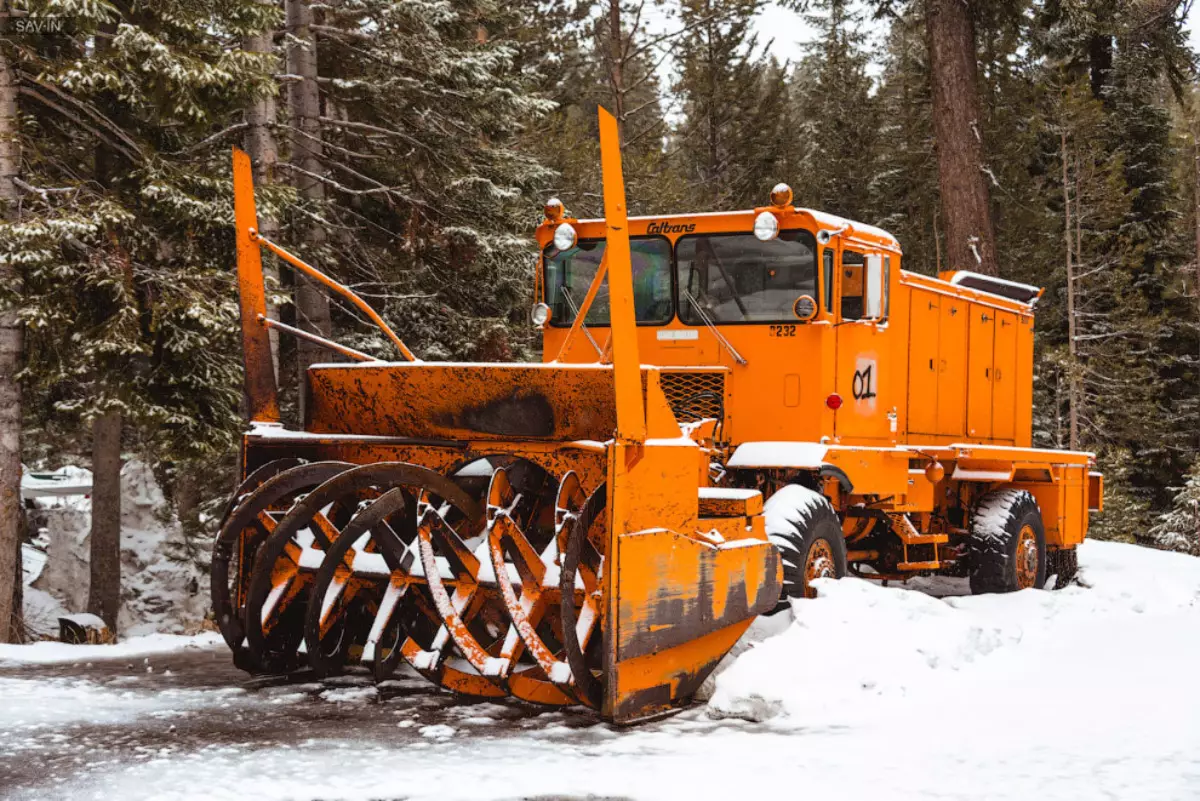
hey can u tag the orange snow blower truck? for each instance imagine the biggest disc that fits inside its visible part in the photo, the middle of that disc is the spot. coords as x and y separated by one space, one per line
730 406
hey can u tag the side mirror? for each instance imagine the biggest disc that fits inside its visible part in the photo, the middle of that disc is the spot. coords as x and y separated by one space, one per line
873 299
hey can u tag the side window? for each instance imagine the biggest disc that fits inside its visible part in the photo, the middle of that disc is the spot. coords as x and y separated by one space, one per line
854 286
865 285
828 278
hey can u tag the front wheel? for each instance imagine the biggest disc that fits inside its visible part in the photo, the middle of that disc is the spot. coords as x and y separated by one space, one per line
804 527
1007 545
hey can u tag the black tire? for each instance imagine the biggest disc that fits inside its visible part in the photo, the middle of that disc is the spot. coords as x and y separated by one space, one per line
802 525
1006 535
1063 564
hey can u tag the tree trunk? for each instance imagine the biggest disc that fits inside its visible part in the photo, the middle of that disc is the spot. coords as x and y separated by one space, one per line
1100 63
1196 206
10 361
187 499
957 129
616 70
304 106
1072 344
264 155
104 589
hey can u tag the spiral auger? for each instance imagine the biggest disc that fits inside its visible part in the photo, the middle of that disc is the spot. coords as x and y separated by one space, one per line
260 503
473 600
290 557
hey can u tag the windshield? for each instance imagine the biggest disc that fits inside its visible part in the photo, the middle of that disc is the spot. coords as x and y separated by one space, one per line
737 278
569 273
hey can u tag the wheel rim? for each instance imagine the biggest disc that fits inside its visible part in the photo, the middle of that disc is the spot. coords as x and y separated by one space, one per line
819 564
1027 558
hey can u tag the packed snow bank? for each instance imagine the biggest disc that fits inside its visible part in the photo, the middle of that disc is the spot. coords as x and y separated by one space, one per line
860 651
161 583
57 653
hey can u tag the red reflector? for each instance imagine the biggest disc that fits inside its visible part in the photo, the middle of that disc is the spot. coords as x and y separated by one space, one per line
834 401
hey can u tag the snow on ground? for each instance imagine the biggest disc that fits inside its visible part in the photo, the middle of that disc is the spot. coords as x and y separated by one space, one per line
872 693
58 653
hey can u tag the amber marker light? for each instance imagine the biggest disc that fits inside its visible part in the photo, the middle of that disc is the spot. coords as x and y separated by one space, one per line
781 196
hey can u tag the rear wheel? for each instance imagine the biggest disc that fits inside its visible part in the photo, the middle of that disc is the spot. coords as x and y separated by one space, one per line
1063 564
1007 544
804 527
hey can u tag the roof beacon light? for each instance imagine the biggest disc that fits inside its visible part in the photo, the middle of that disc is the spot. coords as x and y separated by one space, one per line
781 196
554 210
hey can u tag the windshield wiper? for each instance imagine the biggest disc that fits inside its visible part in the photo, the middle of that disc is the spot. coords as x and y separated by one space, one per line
566 293
737 357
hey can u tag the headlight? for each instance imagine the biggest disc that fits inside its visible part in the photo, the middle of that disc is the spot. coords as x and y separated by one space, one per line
766 227
565 237
540 315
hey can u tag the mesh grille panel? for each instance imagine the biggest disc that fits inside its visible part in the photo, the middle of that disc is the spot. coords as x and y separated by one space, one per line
695 396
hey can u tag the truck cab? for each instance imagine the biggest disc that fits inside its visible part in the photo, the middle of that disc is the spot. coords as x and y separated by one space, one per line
789 324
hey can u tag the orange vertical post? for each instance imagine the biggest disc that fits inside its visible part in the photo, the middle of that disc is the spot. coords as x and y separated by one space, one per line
627 367
261 391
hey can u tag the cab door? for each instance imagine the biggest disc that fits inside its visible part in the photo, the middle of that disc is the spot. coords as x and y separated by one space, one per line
865 374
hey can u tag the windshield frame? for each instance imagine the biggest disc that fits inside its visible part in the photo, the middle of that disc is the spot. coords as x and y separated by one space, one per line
556 322
786 318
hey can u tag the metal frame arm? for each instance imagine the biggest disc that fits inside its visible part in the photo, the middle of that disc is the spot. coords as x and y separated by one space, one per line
262 391
582 311
341 289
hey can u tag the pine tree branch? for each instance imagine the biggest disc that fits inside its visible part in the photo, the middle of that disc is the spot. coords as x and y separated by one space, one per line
134 156
203 143
654 42
88 109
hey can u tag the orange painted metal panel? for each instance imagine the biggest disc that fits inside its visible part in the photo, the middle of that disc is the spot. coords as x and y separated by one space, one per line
1004 378
261 391
980 348
924 318
464 401
952 367
631 415
1023 426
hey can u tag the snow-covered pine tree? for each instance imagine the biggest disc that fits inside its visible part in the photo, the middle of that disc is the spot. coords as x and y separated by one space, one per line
1179 528
129 303
838 116
903 197
426 203
719 81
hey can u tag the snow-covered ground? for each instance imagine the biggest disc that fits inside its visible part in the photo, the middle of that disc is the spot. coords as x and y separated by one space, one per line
1090 692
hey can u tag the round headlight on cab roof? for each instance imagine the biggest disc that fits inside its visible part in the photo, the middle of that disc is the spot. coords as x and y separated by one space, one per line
766 227
540 314
565 236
